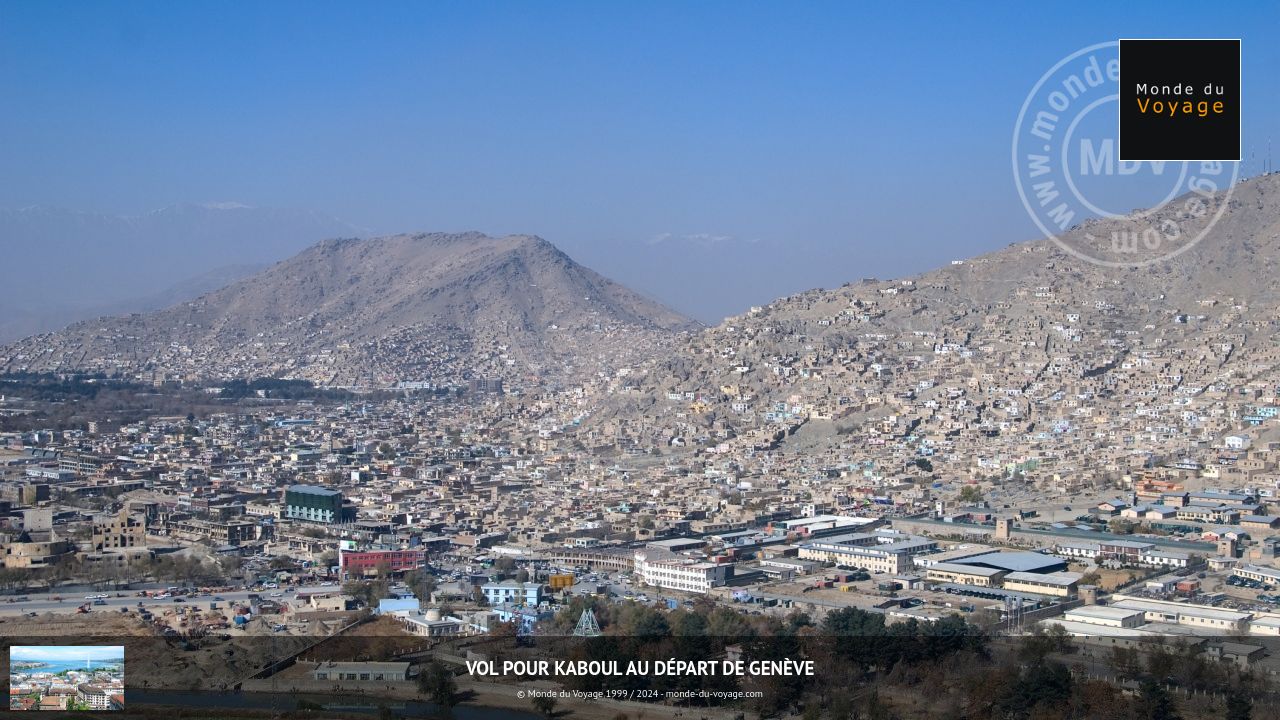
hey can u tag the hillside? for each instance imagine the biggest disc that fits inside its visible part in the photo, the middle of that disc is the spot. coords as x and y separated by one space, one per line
1023 353
402 308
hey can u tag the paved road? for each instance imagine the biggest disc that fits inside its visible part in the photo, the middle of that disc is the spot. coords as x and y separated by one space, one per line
45 602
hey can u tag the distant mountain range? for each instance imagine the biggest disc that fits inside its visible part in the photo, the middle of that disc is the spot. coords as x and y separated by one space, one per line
60 266
432 307
442 307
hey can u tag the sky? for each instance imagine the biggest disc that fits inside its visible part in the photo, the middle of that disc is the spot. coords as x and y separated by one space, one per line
66 653
714 155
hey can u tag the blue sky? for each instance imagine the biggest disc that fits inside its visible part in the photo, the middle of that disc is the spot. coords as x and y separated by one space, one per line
65 653
713 154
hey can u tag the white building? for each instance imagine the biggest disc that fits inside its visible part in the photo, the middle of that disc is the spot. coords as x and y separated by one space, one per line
1106 616
664 570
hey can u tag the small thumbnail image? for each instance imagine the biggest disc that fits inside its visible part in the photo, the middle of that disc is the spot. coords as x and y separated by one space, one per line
66 677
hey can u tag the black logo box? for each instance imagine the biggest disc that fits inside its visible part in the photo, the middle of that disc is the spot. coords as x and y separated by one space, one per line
1186 67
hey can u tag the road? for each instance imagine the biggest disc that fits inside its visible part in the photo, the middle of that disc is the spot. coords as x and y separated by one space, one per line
45 602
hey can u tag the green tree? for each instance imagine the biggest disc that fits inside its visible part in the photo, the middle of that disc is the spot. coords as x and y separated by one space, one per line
1154 702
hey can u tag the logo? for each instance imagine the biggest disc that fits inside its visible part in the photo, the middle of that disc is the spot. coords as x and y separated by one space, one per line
1082 196
1180 100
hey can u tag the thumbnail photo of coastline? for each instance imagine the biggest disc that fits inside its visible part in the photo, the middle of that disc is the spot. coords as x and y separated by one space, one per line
66 677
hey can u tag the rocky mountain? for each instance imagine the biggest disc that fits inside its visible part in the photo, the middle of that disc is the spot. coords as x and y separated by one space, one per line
1023 352
61 265
403 308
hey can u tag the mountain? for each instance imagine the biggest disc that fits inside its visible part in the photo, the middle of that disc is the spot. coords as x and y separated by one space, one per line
435 307
1026 352
62 265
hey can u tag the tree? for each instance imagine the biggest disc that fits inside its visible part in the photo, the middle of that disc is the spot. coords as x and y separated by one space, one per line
1127 662
1239 706
366 591
970 494
545 705
437 683
422 584
1154 702
1120 526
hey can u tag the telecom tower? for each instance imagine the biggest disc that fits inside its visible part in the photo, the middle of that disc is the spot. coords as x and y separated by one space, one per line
587 625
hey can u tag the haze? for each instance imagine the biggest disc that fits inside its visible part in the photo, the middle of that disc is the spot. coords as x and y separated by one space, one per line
712 155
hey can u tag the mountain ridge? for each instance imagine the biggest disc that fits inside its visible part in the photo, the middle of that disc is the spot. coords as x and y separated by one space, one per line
449 304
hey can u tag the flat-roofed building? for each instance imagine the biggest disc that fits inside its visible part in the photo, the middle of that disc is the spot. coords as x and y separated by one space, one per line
1057 584
311 503
1164 558
1106 615
1077 549
956 573
1270 576
1269 625
1192 616
362 671
873 559
1260 522
660 569
1126 551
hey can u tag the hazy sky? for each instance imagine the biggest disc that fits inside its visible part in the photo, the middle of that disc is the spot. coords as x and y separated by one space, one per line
712 154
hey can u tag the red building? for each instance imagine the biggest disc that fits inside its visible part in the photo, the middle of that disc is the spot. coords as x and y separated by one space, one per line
356 563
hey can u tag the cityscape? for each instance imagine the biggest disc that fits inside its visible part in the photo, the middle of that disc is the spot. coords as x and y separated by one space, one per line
685 362
66 677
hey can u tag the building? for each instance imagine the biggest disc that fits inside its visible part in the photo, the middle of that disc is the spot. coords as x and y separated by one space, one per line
513 592
1106 616
233 532
1269 576
96 697
362 671
489 385
1057 584
661 569
860 551
1260 522
1195 616
1124 551
36 550
357 563
119 532
316 504
958 574
525 617
430 623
